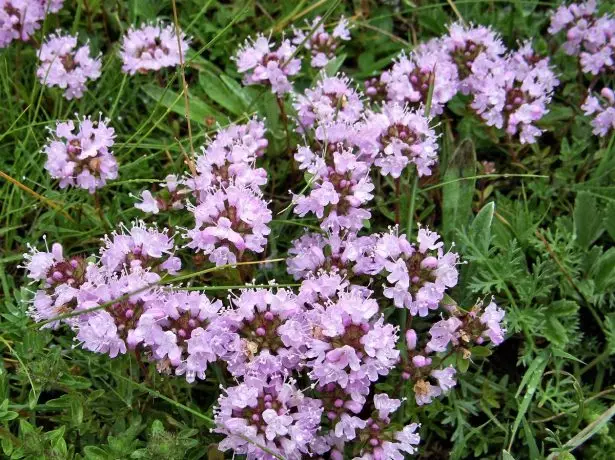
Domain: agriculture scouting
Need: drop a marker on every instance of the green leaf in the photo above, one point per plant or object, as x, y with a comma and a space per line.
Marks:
587, 220
200, 112
531, 380
480, 352
458, 191
603, 271
480, 229
95, 453
217, 90
555, 332
333, 66
506, 455
609, 219
591, 429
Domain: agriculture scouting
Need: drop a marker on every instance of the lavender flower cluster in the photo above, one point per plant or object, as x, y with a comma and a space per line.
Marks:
334, 334
19, 19
588, 36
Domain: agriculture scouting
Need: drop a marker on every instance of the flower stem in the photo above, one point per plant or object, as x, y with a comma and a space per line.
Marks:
411, 206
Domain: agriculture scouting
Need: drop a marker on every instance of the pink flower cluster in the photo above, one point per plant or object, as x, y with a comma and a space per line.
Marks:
19, 19
603, 111
413, 276
133, 258
515, 92
224, 195
411, 76
261, 64
66, 65
321, 44
80, 155
397, 137
151, 48
510, 90
588, 36
267, 415
332, 99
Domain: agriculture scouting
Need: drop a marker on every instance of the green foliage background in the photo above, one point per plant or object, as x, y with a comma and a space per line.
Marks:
542, 242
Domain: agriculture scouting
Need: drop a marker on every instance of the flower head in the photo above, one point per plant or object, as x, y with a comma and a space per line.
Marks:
66, 65
80, 155
229, 221
151, 48
267, 414
261, 64
322, 44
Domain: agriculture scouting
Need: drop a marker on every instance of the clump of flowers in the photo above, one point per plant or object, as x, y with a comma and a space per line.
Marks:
515, 92
467, 47
346, 254
261, 64
229, 159
417, 275
587, 36
229, 221
263, 334
322, 44
380, 439
397, 137
410, 79
603, 111
139, 246
340, 188
19, 19
333, 99
60, 279
350, 344
175, 331
151, 48
66, 65
80, 155
267, 416
231, 156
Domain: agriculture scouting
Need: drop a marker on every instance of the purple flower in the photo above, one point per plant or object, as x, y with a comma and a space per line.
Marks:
492, 319
20, 18
515, 92
417, 275
346, 254
139, 246
322, 44
80, 156
603, 111
333, 99
445, 378
350, 344
230, 158
273, 415
108, 330
67, 66
175, 329
151, 48
228, 222
340, 187
262, 65
443, 333
464, 46
591, 37
409, 79
382, 438
397, 137
263, 334
60, 279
